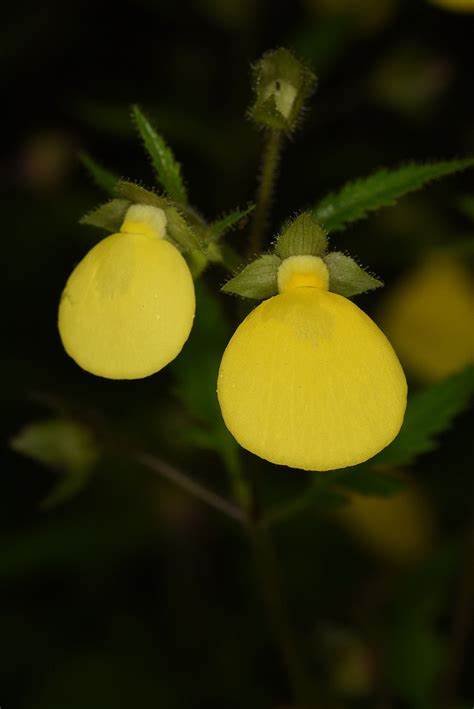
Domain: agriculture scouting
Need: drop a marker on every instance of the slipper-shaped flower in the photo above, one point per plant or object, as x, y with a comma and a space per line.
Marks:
308, 380
128, 307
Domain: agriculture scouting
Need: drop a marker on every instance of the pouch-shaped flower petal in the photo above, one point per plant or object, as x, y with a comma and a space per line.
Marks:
309, 381
128, 307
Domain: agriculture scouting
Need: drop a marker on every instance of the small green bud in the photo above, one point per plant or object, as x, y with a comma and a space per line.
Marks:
258, 280
302, 237
282, 86
346, 277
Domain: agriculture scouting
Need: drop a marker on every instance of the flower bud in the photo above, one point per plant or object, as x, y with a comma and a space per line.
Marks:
282, 86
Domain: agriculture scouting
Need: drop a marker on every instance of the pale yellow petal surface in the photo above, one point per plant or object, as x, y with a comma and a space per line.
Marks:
429, 318
398, 528
128, 307
309, 381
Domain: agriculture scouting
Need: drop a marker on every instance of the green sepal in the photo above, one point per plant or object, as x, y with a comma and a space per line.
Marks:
178, 231
258, 280
282, 85
346, 277
139, 195
302, 237
108, 216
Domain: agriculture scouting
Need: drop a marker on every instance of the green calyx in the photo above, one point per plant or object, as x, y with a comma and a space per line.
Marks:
302, 236
110, 215
282, 86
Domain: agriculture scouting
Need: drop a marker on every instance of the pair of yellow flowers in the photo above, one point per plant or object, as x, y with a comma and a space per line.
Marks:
307, 380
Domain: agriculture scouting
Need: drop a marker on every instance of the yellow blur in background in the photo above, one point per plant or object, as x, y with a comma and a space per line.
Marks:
429, 318
398, 528
456, 5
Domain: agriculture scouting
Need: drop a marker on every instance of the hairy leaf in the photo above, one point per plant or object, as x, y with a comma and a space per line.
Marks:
108, 216
346, 277
382, 189
168, 171
429, 413
105, 179
257, 280
229, 221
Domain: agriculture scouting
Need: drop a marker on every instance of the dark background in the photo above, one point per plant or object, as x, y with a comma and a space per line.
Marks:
131, 594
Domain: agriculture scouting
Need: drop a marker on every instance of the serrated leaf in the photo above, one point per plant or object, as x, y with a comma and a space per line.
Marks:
229, 221
257, 280
301, 237
382, 189
429, 413
63, 445
108, 216
346, 277
168, 170
104, 178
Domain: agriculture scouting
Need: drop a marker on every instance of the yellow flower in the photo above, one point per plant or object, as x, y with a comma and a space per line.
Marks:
128, 307
398, 528
456, 5
429, 318
308, 380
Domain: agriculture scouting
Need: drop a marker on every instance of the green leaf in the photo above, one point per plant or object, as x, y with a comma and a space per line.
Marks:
382, 189
229, 221
302, 237
346, 277
108, 216
366, 481
257, 280
63, 445
105, 179
168, 171
429, 413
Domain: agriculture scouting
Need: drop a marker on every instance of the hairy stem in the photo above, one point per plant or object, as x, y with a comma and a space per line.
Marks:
186, 483
271, 158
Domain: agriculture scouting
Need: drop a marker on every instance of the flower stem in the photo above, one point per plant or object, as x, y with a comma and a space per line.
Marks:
268, 573
271, 158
